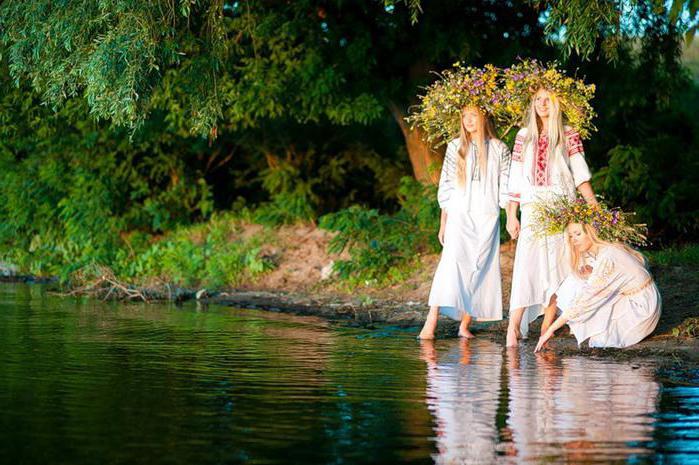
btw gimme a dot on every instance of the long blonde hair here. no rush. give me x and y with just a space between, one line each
576 258
555 131
486 132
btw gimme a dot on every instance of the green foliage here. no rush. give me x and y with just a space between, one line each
312 180
381 246
583 26
210 254
661 192
291 97
292 198
72 188
689 328
205 62
686 255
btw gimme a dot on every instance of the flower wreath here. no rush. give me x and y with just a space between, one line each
523 79
439 110
613 225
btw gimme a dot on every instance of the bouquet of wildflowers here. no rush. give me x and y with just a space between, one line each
439 110
523 79
613 225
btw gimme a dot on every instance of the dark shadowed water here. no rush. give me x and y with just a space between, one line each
84 382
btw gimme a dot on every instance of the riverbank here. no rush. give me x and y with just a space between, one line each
306 292
302 282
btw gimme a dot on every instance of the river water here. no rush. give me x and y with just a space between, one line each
87 382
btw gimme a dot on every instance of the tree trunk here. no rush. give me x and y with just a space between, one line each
425 160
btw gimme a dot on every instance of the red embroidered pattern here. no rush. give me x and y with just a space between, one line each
517 151
574 144
541 175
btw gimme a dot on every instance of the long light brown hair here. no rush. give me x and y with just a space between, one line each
486 132
576 259
555 130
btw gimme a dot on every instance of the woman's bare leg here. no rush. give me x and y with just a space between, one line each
463 327
513 332
430 324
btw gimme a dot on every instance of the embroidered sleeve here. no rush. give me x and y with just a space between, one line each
514 181
576 158
598 290
574 143
518 150
447 177
503 181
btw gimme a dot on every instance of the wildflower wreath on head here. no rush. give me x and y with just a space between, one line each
439 110
553 216
524 79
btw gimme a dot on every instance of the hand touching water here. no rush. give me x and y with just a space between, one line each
543 340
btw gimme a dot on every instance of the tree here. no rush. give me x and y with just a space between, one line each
214 65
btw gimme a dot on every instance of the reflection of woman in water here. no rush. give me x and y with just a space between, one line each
578 410
462 395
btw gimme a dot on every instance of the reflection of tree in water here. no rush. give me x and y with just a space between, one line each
463 386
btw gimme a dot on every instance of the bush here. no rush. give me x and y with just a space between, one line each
210 254
675 256
380 245
660 189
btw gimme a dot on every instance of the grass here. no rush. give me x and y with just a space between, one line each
687 254
689 328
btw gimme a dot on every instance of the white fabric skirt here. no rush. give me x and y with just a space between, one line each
539 268
468 280
625 322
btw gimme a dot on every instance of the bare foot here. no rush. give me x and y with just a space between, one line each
513 336
430 324
466 334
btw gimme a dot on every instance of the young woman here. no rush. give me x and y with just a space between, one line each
610 299
472 189
547 160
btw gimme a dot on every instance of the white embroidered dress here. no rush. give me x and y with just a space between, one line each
541 262
467 279
617 305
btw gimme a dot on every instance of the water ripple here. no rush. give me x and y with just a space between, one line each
85 382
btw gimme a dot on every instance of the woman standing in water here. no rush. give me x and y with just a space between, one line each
547 160
472 189
472 185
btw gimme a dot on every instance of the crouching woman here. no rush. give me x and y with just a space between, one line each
610 298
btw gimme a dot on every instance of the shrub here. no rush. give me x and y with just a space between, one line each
381 245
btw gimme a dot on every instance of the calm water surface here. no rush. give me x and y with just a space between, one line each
84 382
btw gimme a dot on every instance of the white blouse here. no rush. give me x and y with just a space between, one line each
533 175
478 195
615 272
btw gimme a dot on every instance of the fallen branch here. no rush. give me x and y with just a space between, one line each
100 282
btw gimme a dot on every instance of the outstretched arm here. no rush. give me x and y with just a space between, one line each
560 321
